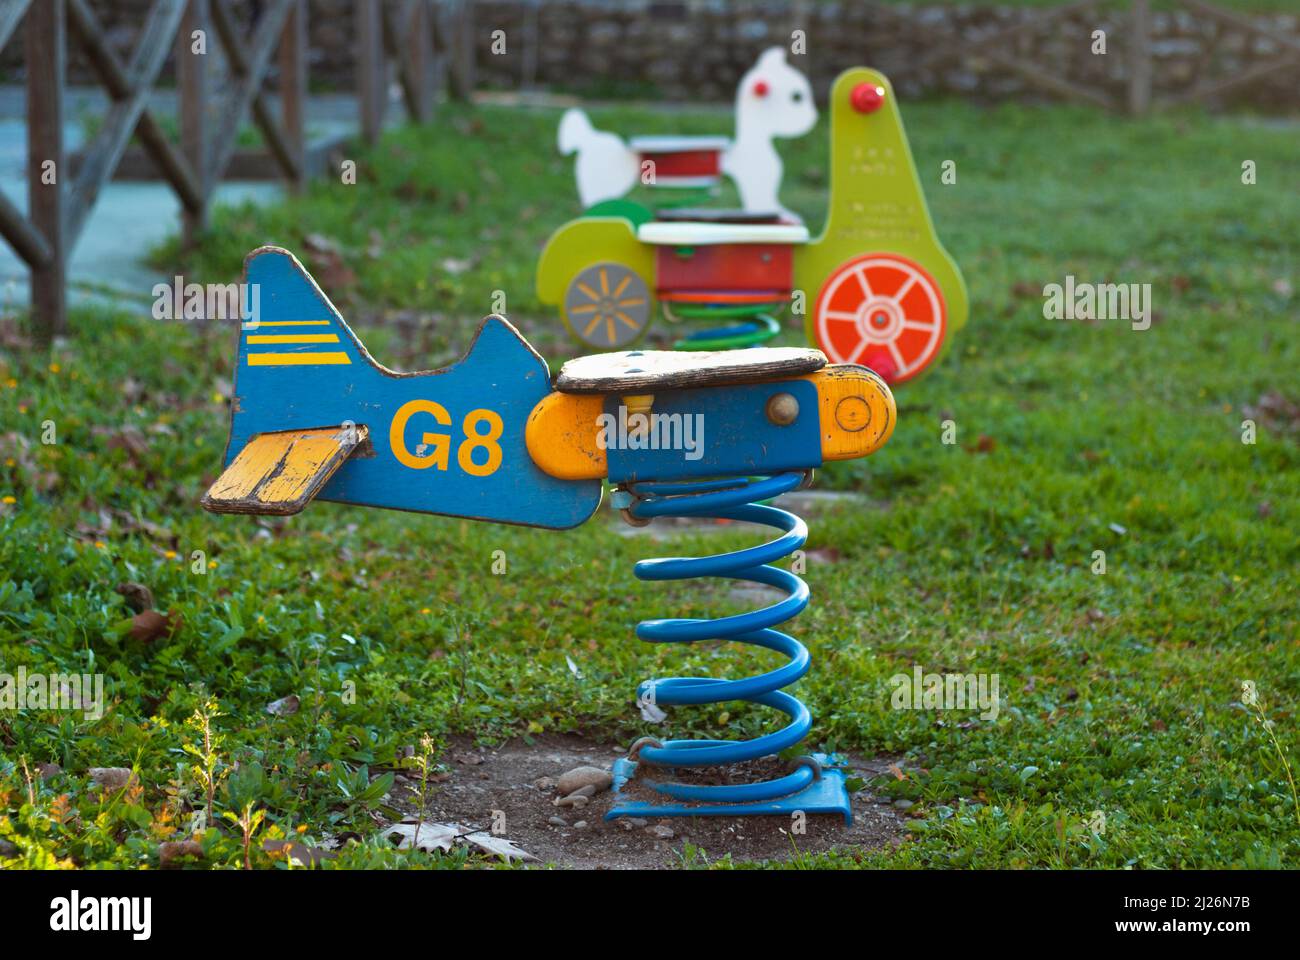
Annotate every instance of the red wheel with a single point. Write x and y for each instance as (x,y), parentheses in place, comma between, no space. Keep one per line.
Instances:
(884,312)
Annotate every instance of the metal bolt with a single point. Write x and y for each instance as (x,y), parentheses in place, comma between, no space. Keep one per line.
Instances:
(782,409)
(640,403)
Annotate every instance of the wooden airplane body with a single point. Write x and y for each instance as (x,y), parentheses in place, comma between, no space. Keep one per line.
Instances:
(314,416)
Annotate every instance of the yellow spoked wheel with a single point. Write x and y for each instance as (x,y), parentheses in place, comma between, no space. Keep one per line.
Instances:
(607,306)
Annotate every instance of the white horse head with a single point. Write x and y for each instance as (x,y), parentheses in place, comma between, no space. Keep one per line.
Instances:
(774,99)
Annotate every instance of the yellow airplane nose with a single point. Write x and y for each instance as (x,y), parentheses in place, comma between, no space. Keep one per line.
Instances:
(856,416)
(857,411)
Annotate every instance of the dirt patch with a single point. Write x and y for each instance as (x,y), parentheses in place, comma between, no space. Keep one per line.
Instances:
(506,778)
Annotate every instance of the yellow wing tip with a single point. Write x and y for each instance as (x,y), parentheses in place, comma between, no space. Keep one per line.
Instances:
(279,473)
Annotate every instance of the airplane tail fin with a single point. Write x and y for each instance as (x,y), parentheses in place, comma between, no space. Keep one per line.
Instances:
(293,345)
(289,322)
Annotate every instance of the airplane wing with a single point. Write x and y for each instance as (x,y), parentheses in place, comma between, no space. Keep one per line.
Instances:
(280,472)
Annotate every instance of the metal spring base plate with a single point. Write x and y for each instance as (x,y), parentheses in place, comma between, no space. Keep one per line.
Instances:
(830,794)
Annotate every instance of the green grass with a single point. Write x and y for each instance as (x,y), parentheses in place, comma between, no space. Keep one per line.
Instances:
(1121,692)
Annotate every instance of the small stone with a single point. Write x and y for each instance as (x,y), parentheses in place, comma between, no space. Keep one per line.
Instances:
(904,804)
(558,822)
(571,801)
(662,832)
(580,777)
(47,770)
(7,849)
(580,825)
(637,821)
(544,783)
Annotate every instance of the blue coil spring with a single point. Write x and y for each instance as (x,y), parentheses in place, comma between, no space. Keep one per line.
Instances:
(732,500)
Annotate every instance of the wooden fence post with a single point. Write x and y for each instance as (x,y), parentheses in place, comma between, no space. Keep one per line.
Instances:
(293,88)
(45,47)
(1139,59)
(532,43)
(192,104)
(372,69)
(420,47)
(460,43)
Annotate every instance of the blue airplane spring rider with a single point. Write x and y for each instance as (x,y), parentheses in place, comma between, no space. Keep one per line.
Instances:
(490,437)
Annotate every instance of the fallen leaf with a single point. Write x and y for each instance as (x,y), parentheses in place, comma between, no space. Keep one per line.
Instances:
(130,439)
(149,625)
(319,243)
(112,779)
(456,266)
(284,707)
(650,712)
(138,596)
(172,850)
(498,846)
(298,854)
(132,390)
(1274,410)
(432,836)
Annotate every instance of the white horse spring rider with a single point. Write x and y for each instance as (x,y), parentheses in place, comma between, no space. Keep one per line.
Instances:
(772,100)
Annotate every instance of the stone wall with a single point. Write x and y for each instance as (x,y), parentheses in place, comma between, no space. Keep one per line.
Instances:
(697,49)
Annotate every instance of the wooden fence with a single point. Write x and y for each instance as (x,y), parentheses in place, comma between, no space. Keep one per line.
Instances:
(400,34)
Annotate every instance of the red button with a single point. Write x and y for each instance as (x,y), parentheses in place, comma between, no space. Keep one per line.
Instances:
(760,89)
(867,97)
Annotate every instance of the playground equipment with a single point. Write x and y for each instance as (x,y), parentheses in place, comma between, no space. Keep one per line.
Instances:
(876,288)
(315,417)
(773,99)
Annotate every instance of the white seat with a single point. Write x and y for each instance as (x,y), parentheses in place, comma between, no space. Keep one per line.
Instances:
(677,144)
(691,234)
(645,371)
